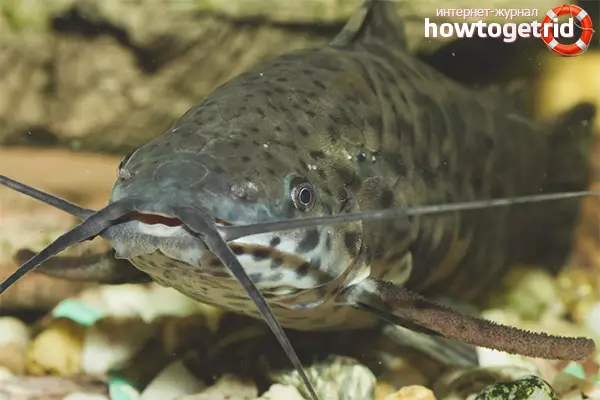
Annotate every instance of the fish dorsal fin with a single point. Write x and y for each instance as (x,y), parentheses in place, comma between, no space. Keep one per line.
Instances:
(374,20)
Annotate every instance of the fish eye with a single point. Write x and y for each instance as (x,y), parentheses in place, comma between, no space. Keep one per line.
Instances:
(303,194)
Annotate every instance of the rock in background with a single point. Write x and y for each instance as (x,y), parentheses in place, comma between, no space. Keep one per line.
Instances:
(108,75)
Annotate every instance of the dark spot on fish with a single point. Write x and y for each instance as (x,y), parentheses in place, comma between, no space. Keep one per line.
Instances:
(317,155)
(276,241)
(387,199)
(316,263)
(309,241)
(271,171)
(303,270)
(220,274)
(255,277)
(318,84)
(276,277)
(350,241)
(276,262)
(399,166)
(260,112)
(281,79)
(237,250)
(168,275)
(488,143)
(343,117)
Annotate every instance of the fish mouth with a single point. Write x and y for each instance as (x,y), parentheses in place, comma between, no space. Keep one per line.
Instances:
(144,233)
(161,219)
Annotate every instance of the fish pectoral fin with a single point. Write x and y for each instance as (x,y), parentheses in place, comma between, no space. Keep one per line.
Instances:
(447,351)
(93,267)
(395,303)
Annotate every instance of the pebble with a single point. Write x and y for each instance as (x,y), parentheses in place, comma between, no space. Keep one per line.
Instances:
(52,388)
(336,377)
(281,392)
(413,392)
(529,292)
(495,358)
(14,340)
(5,373)
(383,390)
(172,382)
(147,302)
(228,387)
(526,388)
(570,387)
(57,350)
(577,291)
(592,320)
(463,384)
(399,371)
(112,342)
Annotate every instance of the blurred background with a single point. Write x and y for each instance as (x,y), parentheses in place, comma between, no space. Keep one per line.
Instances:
(83,82)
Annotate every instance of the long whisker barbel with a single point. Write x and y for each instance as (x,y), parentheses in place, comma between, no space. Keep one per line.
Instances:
(237,231)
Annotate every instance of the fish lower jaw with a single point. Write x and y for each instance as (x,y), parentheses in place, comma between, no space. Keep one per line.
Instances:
(136,238)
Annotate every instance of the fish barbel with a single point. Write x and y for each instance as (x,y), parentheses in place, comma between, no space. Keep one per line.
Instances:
(301,192)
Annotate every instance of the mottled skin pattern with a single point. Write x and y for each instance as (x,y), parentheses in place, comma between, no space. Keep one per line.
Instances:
(370,127)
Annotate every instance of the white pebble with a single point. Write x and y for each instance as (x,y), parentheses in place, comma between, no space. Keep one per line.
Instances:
(174,381)
(125,300)
(14,339)
(495,358)
(281,392)
(593,319)
(5,374)
(13,330)
(110,343)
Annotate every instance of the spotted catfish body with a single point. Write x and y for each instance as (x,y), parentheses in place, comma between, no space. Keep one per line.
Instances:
(356,125)
(361,124)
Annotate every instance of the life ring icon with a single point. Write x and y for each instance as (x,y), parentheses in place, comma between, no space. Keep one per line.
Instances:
(587,30)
